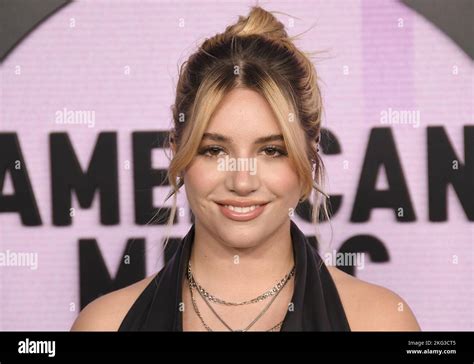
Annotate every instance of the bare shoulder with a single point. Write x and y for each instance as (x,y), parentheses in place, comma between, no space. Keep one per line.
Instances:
(370,307)
(107,312)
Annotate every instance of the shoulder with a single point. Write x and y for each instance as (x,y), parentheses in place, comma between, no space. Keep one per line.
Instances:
(370,307)
(107,312)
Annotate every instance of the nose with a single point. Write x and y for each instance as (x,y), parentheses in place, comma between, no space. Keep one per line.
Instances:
(243,181)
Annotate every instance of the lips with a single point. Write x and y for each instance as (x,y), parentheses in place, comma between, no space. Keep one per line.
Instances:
(237,203)
(241,210)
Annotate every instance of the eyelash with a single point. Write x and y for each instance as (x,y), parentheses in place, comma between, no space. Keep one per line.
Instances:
(205,150)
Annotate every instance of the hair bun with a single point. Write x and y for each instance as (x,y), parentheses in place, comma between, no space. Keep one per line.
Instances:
(258,22)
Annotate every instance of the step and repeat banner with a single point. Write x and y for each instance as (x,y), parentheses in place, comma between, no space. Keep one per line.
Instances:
(86,90)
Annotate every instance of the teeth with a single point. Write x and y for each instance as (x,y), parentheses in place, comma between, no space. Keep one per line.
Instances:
(241,210)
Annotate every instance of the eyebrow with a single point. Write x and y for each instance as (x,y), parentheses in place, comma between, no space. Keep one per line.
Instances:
(222,138)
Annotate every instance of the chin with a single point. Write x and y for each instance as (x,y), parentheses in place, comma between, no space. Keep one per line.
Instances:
(240,244)
(240,237)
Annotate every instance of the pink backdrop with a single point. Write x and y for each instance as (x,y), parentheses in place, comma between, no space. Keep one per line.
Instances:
(380,55)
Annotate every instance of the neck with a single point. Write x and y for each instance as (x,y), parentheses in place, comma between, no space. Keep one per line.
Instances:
(226,271)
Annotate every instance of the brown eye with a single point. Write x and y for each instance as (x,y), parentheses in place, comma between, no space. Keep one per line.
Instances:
(212,151)
(274,152)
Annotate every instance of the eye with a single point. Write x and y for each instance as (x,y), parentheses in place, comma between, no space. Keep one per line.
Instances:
(274,151)
(210,151)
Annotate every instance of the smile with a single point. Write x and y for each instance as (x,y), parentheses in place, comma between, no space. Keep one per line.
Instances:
(241,209)
(242,213)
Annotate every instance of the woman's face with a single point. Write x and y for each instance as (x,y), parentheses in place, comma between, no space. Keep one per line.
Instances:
(236,166)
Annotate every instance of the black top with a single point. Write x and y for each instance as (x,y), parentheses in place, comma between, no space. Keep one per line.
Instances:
(316,302)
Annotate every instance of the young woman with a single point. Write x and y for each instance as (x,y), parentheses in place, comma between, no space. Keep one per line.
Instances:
(245,142)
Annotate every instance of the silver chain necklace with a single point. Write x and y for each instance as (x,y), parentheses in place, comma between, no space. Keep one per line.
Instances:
(271,292)
(193,284)
(206,326)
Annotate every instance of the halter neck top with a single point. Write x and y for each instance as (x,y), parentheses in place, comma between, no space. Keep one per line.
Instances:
(316,302)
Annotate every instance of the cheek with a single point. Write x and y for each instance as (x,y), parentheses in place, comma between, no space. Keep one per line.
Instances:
(201,178)
(282,180)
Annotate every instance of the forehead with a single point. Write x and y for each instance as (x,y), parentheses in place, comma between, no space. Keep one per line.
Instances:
(243,111)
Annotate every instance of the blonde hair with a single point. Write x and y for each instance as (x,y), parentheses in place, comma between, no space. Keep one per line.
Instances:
(255,53)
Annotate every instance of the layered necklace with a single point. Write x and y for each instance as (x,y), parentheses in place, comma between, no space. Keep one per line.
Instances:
(209,298)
